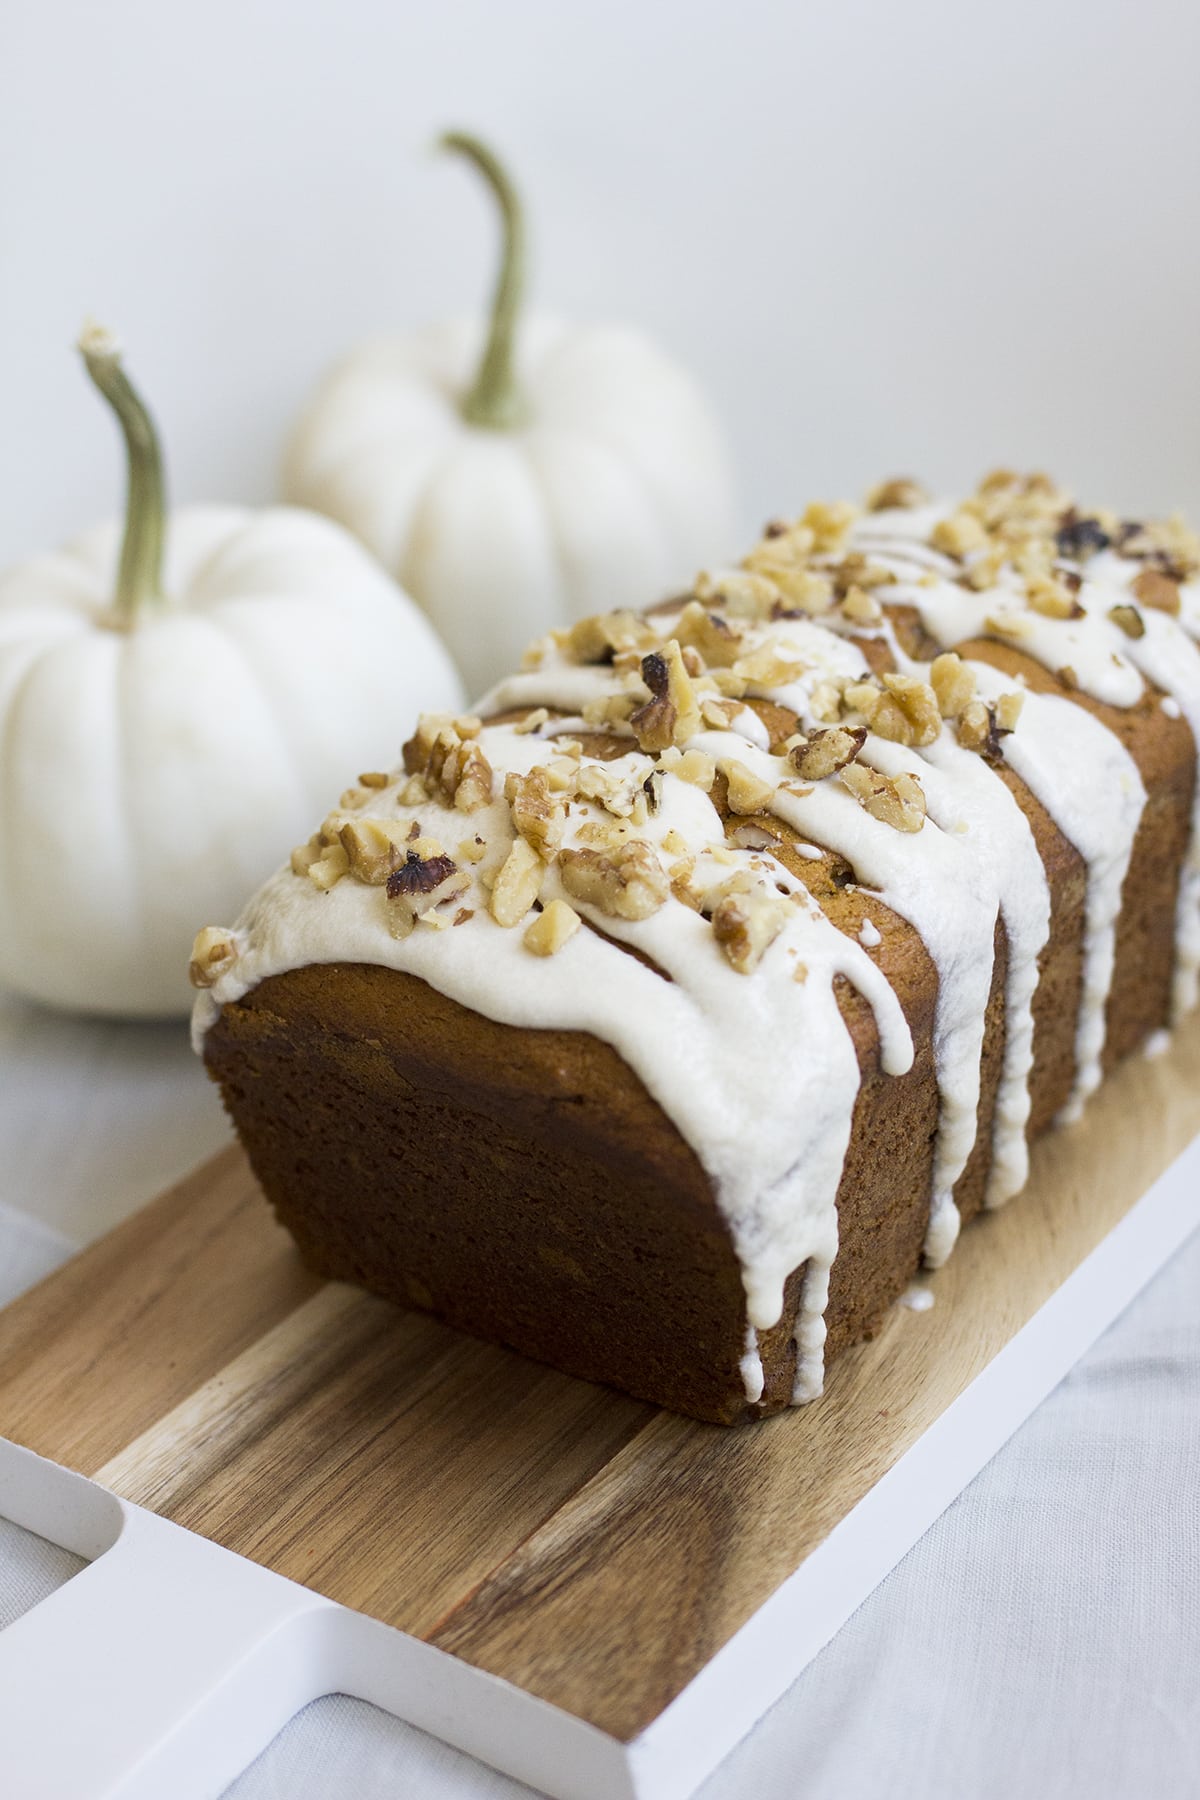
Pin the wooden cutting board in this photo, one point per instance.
(591, 1550)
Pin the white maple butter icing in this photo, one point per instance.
(771, 1131)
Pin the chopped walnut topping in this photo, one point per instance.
(746, 920)
(213, 954)
(739, 592)
(452, 767)
(373, 847)
(981, 727)
(974, 725)
(328, 868)
(471, 850)
(596, 640)
(424, 881)
(958, 534)
(774, 663)
(897, 801)
(829, 522)
(1156, 590)
(784, 556)
(983, 570)
(516, 885)
(861, 607)
(551, 929)
(1008, 625)
(374, 778)
(709, 632)
(608, 709)
(617, 793)
(720, 714)
(900, 492)
(626, 883)
(1052, 597)
(825, 702)
(468, 725)
(1008, 709)
(537, 813)
(862, 697)
(1165, 544)
(473, 781)
(414, 792)
(953, 683)
(826, 753)
(918, 703)
(1080, 538)
(747, 794)
(695, 766)
(305, 855)
(533, 721)
(1129, 620)
(671, 715)
(889, 720)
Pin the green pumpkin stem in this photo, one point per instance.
(139, 575)
(494, 400)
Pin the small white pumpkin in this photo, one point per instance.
(564, 471)
(178, 705)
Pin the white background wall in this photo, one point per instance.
(915, 235)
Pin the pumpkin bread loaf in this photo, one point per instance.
(662, 1021)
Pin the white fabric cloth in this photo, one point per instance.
(1043, 1638)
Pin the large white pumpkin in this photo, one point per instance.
(521, 477)
(161, 758)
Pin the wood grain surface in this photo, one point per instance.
(578, 1543)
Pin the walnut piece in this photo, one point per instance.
(826, 753)
(424, 880)
(551, 929)
(897, 801)
(862, 697)
(599, 638)
(746, 920)
(328, 868)
(374, 847)
(900, 492)
(626, 882)
(861, 607)
(516, 886)
(1156, 590)
(918, 702)
(671, 715)
(452, 767)
(213, 954)
(981, 727)
(739, 592)
(1129, 620)
(747, 794)
(538, 814)
(772, 664)
(705, 630)
(694, 766)
(953, 683)
(958, 534)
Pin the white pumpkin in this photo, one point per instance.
(173, 725)
(522, 482)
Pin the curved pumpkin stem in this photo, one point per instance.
(139, 575)
(494, 400)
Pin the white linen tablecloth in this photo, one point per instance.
(1042, 1639)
